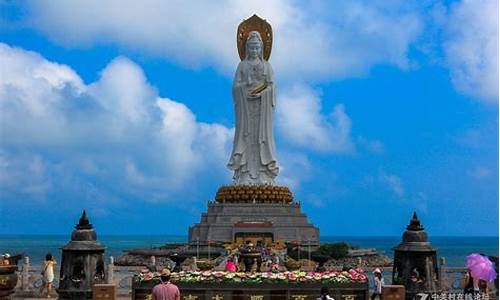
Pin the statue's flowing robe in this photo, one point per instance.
(245, 172)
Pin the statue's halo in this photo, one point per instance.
(254, 23)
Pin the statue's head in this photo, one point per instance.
(254, 45)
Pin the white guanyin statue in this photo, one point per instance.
(253, 158)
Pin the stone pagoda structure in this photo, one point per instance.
(415, 261)
(254, 209)
(82, 262)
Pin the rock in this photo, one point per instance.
(144, 260)
(362, 252)
(361, 261)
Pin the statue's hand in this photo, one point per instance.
(258, 94)
(253, 96)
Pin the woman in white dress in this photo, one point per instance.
(48, 274)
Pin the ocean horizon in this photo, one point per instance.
(453, 248)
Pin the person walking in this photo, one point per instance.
(166, 290)
(48, 274)
(378, 283)
(230, 265)
(325, 294)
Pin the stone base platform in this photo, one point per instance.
(228, 222)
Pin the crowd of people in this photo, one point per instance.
(471, 286)
(268, 259)
(166, 290)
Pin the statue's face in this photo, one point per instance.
(254, 50)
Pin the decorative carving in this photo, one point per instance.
(254, 23)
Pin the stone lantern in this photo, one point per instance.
(82, 263)
(415, 263)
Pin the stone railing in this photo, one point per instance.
(451, 279)
(30, 279)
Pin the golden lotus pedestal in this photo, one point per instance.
(254, 194)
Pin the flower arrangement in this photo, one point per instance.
(351, 276)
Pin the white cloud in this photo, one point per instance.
(35, 89)
(116, 131)
(301, 122)
(24, 175)
(393, 183)
(373, 146)
(123, 89)
(344, 39)
(471, 48)
(294, 169)
(480, 172)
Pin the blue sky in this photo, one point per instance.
(384, 107)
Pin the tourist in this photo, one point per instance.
(166, 290)
(235, 260)
(378, 283)
(48, 274)
(325, 294)
(147, 274)
(230, 265)
(6, 259)
(268, 263)
(470, 284)
(415, 276)
(275, 266)
(483, 286)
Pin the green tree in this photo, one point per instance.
(335, 250)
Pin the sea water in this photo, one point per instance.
(454, 249)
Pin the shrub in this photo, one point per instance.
(293, 252)
(335, 250)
